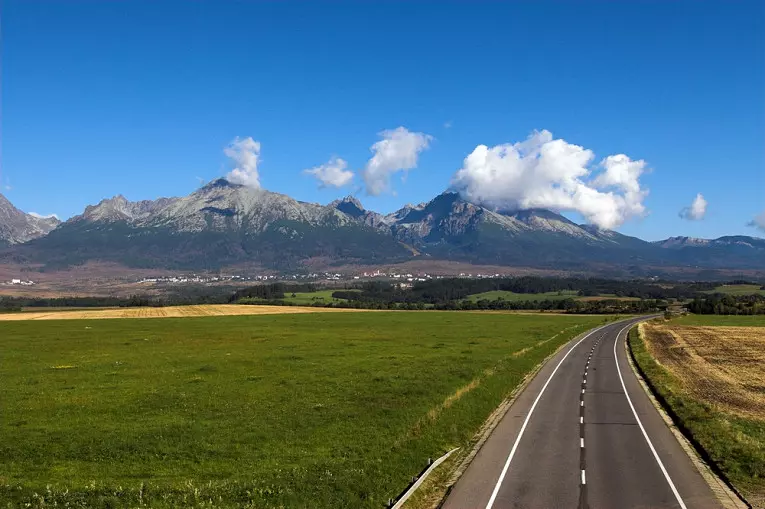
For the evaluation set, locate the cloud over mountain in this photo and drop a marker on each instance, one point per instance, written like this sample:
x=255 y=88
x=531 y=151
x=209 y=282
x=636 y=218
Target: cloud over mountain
x=542 y=172
x=333 y=173
x=758 y=222
x=697 y=210
x=398 y=150
x=245 y=155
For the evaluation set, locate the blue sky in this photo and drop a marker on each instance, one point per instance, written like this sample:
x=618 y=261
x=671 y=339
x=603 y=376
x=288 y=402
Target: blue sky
x=141 y=98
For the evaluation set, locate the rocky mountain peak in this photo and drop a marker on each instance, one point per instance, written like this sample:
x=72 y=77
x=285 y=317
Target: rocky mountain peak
x=17 y=227
x=220 y=183
x=349 y=205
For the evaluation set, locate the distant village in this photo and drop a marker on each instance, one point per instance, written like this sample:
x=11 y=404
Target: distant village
x=404 y=280
x=18 y=282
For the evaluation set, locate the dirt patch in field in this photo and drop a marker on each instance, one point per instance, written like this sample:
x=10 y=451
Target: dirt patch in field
x=721 y=366
x=168 y=312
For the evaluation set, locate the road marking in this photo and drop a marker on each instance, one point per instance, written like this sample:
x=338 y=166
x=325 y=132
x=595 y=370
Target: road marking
x=528 y=418
x=581 y=443
x=581 y=403
x=634 y=412
x=581 y=420
x=584 y=481
x=582 y=391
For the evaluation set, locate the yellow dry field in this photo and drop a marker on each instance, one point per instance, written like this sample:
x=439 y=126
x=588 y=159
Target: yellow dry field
x=168 y=312
x=721 y=366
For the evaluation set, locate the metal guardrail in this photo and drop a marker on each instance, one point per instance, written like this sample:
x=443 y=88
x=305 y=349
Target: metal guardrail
x=399 y=501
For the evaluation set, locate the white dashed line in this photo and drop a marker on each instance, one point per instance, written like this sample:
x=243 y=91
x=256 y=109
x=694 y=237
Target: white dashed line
x=584 y=481
x=581 y=403
x=528 y=417
x=581 y=420
x=581 y=443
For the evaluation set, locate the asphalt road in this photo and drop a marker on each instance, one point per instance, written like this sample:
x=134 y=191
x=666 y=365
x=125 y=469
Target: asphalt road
x=583 y=434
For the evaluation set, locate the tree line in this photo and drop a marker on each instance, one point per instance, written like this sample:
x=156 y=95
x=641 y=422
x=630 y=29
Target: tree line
x=451 y=289
x=605 y=306
x=271 y=291
x=723 y=304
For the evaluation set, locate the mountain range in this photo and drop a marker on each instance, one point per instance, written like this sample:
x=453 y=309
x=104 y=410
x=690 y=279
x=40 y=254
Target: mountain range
x=225 y=225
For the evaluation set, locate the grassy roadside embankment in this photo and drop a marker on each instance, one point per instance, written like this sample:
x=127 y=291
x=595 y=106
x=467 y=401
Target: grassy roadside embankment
x=711 y=387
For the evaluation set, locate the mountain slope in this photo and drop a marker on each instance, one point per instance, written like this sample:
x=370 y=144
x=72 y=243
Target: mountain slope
x=219 y=225
x=17 y=227
x=733 y=252
x=449 y=227
x=223 y=225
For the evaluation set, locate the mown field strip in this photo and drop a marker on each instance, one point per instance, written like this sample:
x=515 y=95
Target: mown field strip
x=713 y=378
x=166 y=312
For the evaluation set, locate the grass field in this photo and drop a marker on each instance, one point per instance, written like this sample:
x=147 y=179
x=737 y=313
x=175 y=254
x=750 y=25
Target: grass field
x=712 y=375
x=562 y=295
x=721 y=320
x=512 y=296
x=605 y=296
x=308 y=298
x=299 y=410
x=738 y=289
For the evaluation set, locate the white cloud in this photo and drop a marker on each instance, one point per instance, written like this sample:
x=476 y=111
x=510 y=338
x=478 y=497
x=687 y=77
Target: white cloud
x=697 y=210
x=758 y=222
x=397 y=151
x=43 y=216
x=448 y=124
x=245 y=155
x=542 y=172
x=332 y=173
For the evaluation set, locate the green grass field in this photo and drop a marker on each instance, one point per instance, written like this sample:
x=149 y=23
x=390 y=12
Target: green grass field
x=727 y=320
x=738 y=289
x=308 y=298
x=512 y=296
x=316 y=410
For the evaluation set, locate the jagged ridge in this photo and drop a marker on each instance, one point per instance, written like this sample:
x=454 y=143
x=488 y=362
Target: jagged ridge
x=223 y=224
x=17 y=227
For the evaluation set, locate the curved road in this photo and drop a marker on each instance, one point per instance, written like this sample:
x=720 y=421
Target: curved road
x=583 y=434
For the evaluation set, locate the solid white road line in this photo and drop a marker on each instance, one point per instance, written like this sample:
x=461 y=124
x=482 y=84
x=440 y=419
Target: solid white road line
x=584 y=481
x=653 y=450
x=528 y=417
